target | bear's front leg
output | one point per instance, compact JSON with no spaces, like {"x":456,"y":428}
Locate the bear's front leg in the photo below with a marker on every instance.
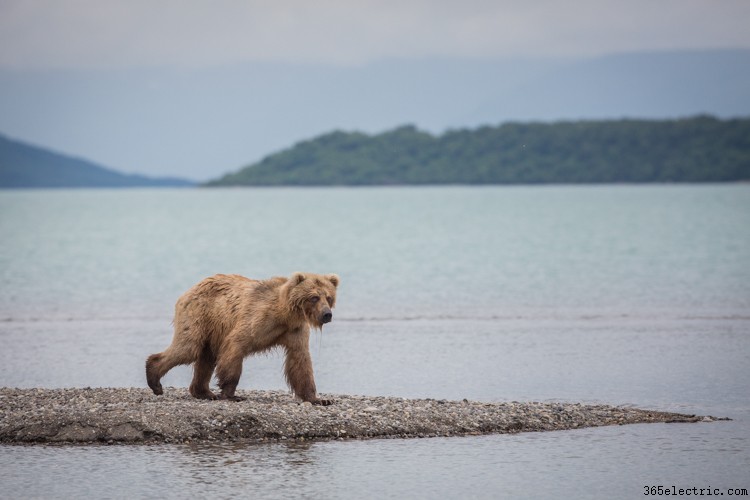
{"x":228,"y":372}
{"x":298,"y":370}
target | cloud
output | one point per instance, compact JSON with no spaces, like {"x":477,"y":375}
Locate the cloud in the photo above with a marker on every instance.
{"x":129,"y":33}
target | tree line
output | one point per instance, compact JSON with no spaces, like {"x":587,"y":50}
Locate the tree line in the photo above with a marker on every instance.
{"x":696,"y":149}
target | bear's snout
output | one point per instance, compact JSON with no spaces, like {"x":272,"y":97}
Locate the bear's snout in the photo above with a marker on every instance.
{"x":326,"y":317}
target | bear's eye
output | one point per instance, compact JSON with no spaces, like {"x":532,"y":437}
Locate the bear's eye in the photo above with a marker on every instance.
{"x":315,"y":299}
{"x":330,"y":301}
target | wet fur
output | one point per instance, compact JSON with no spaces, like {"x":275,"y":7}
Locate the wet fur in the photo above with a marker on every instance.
{"x":225,"y":318}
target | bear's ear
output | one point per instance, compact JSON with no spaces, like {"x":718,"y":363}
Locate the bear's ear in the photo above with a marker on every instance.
{"x":296,"y":279}
{"x":333,"y":279}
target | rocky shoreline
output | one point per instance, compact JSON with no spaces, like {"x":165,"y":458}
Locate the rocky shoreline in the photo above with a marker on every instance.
{"x":130,"y":415}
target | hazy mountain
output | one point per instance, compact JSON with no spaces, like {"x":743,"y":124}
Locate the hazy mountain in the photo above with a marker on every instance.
{"x":26,"y":166}
{"x":202,"y":122}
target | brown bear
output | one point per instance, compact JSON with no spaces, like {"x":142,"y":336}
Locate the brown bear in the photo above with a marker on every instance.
{"x":225,"y":318}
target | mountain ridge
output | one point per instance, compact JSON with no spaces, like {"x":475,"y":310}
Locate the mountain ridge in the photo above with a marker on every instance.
{"x":23,"y":165}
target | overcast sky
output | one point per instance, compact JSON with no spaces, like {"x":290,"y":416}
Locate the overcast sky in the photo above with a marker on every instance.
{"x":127,"y":33}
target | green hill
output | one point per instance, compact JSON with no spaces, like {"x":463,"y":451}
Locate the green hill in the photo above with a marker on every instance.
{"x":25,"y":166}
{"x":698,"y":149}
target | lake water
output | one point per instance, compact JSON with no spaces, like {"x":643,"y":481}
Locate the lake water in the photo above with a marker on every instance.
{"x":625,"y":295}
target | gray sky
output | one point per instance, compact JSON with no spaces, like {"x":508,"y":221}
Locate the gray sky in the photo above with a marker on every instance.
{"x":195,"y":88}
{"x":126,"y":33}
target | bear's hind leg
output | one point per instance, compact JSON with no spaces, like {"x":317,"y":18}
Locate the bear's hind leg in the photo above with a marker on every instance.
{"x":152,"y":373}
{"x":157,"y":365}
{"x":202,"y":372}
{"x":228,"y":371}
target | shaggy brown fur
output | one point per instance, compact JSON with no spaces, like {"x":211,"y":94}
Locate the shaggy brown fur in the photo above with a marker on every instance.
{"x":225,"y":318}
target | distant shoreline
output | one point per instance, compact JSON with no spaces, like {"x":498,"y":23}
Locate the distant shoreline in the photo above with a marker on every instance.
{"x":203,"y":187}
{"x":696,"y":149}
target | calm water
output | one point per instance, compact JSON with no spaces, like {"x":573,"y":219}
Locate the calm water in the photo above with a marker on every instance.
{"x":635,"y":295}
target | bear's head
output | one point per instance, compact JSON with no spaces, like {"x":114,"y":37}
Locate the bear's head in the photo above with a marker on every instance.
{"x":313,"y":295}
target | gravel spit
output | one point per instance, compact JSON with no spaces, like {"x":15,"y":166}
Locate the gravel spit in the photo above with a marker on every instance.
{"x":130,"y":415}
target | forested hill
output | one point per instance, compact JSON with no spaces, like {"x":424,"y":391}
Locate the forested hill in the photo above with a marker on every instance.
{"x":26,"y":166}
{"x":699,"y":149}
